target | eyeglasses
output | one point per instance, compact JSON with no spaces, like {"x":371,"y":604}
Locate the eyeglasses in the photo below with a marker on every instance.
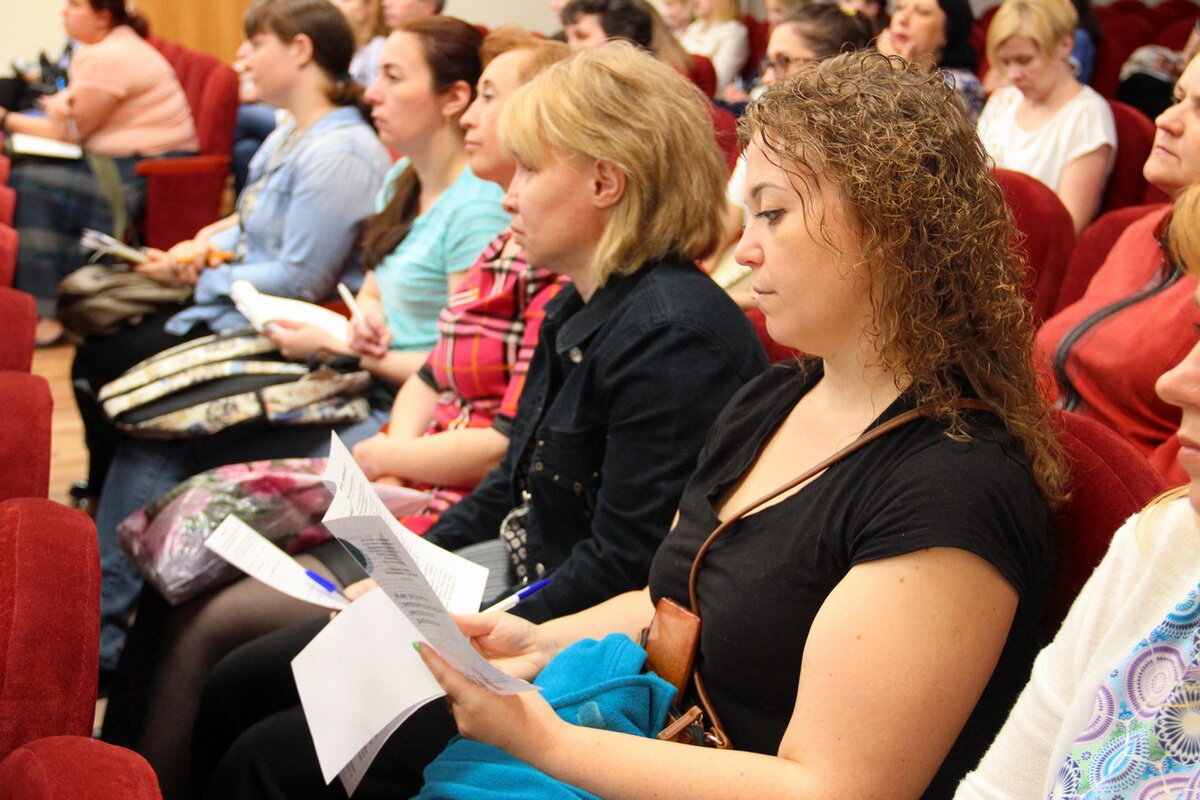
{"x":783,"y":65}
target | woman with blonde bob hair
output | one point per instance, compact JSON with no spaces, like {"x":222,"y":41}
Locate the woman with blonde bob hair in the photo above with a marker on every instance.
{"x":866,"y":625}
{"x":570,"y":112}
{"x":636,"y":357}
{"x":1046,"y":123}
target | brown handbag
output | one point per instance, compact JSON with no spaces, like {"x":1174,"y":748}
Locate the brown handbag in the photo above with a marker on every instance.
{"x":673,"y":638}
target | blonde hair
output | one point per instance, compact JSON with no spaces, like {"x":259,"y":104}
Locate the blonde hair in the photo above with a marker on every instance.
{"x":936,"y":235}
{"x":1183,"y":231}
{"x":1046,"y":22}
{"x":619,"y":104}
{"x":507,"y":38}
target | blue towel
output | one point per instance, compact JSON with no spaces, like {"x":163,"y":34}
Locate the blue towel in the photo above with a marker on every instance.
{"x":593,"y":684}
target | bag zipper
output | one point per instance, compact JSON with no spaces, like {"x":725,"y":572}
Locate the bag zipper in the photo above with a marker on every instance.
{"x":1070,"y":395}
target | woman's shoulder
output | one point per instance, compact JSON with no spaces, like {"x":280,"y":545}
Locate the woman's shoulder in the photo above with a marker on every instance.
{"x":122,"y":53}
{"x":676,"y":293}
{"x":469,"y":188}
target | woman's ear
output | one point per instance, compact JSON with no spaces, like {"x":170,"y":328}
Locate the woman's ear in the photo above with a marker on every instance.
{"x":1065,"y":45}
{"x":607,"y":184}
{"x":301,"y":47}
{"x":456,"y":99}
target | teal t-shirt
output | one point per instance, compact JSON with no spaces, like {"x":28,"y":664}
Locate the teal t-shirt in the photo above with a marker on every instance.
{"x":447,"y":238}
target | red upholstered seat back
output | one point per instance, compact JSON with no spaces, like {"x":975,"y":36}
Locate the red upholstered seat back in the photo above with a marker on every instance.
{"x":9,"y":240}
{"x":18,"y":325}
{"x":1048,"y":236}
{"x":212,"y":93}
{"x":758,"y":33}
{"x":1174,"y":34}
{"x":704,"y":75}
{"x":1092,"y":248}
{"x":24,"y":435}
{"x":1170,"y":10}
{"x":49,"y":621}
{"x":1110,"y":481}
{"x":1135,"y":137}
{"x":725,"y":129}
{"x":1120,"y":34}
{"x":8,"y":204}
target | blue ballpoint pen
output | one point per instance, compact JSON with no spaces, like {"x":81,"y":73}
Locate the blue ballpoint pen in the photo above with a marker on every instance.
{"x":324,"y":583}
{"x":515,"y":597}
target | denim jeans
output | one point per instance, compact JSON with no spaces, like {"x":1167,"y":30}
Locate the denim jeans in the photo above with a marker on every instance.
{"x":143,"y":469}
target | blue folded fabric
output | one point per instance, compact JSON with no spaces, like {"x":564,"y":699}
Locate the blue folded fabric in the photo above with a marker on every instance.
{"x":596,"y":684}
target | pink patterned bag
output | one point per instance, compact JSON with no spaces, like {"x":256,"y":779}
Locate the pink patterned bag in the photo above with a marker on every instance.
{"x":283,"y":499}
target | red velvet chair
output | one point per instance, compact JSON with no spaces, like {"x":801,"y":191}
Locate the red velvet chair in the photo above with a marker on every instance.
{"x":1135,"y":136}
{"x":184,"y":194}
{"x":5,"y":169}
{"x":1110,"y":481}
{"x":758,"y":32}
{"x":8,"y":204}
{"x":725,"y":129}
{"x":704,"y":75}
{"x":1174,"y":34}
{"x":9,"y":239}
{"x":49,"y":652}
{"x":24,"y":444}
{"x":1128,"y":7}
{"x":18,"y":323}
{"x":1048,"y":237}
{"x":1120,"y":35}
{"x":1092,"y":248}
{"x":1171,"y":10}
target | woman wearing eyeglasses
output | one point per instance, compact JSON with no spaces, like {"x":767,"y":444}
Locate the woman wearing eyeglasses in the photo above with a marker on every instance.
{"x":801,"y":39}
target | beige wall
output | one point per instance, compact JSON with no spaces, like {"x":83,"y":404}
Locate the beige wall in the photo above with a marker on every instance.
{"x":29,"y":26}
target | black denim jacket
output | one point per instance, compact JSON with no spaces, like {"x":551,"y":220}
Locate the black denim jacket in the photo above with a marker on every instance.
{"x":619,"y":398}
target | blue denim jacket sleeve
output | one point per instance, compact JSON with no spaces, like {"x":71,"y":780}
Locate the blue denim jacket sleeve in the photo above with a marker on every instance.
{"x":321,"y":225}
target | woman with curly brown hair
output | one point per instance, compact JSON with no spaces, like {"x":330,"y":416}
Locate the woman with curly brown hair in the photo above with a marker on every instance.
{"x":866,"y":628}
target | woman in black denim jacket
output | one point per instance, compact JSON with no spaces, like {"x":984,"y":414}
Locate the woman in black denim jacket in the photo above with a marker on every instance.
{"x":622,"y":192}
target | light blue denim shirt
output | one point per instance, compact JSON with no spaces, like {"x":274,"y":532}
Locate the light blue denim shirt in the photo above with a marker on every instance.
{"x":302,"y":233}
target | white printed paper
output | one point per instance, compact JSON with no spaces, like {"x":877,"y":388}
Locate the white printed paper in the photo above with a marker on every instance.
{"x":397,"y":573}
{"x":359,"y":676}
{"x":253,"y":554}
{"x":458,"y":583}
{"x":261,"y":308}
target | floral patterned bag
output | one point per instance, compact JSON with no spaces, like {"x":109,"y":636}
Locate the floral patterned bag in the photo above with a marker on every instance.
{"x":282,"y":499}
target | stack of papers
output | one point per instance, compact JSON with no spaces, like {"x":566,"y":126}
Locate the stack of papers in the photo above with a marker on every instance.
{"x":360,"y":678}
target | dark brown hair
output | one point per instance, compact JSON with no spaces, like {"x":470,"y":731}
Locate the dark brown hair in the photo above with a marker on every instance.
{"x":828,"y":30}
{"x":327,"y":29}
{"x":121,"y":15}
{"x":451,"y":50}
{"x":936,"y":235}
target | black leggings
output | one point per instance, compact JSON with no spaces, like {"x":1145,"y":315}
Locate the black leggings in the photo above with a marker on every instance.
{"x":251,"y":739}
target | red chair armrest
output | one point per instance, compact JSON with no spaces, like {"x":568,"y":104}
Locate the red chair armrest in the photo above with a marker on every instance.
{"x":184,"y":165}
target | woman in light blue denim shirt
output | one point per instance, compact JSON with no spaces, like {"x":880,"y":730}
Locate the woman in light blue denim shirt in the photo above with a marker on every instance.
{"x":294,"y":234}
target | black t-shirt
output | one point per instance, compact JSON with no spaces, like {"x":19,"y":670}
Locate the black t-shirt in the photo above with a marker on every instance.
{"x":766,"y":577}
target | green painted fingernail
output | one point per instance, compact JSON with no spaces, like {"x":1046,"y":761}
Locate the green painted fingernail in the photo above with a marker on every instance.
{"x":417,"y":646}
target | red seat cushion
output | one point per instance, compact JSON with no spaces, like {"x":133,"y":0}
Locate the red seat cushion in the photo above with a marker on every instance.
{"x":24,"y":436}
{"x":18,"y":327}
